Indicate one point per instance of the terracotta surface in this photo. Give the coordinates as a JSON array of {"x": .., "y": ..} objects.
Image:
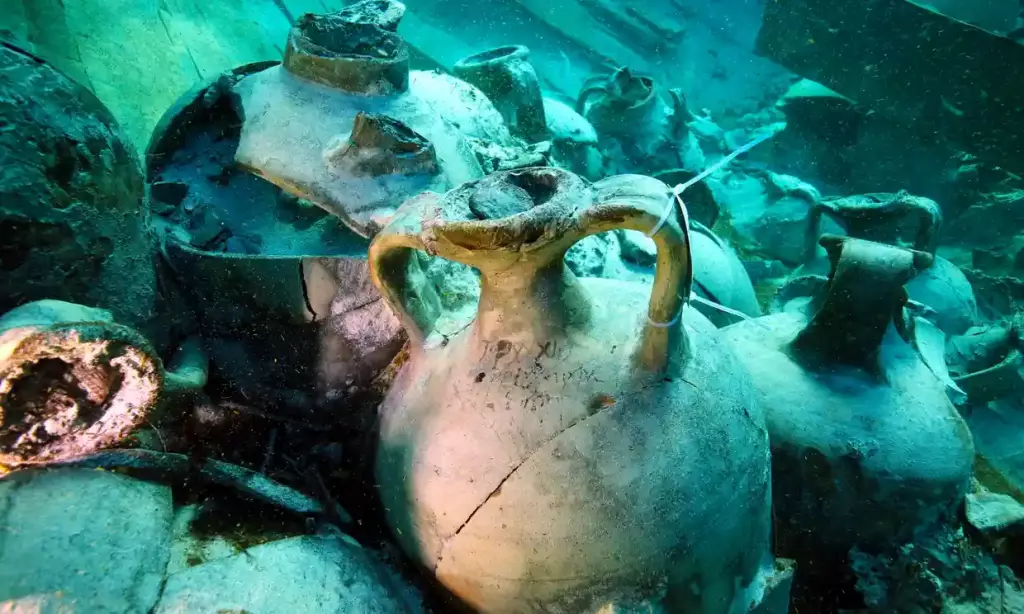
[{"x": 561, "y": 451}]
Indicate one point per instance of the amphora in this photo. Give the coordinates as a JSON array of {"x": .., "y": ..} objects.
[
  {"x": 887, "y": 217},
  {"x": 580, "y": 443},
  {"x": 866, "y": 448}
]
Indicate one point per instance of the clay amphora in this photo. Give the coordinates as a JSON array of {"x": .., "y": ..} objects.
[
  {"x": 268, "y": 278},
  {"x": 510, "y": 82},
  {"x": 884, "y": 217},
  {"x": 578, "y": 444},
  {"x": 640, "y": 132},
  {"x": 866, "y": 447},
  {"x": 71, "y": 220},
  {"x": 344, "y": 123}
]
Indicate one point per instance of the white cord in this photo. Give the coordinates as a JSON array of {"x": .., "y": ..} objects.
[{"x": 679, "y": 189}]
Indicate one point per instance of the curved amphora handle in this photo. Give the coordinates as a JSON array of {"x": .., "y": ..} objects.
[
  {"x": 860, "y": 214},
  {"x": 864, "y": 293},
  {"x": 564, "y": 210}
]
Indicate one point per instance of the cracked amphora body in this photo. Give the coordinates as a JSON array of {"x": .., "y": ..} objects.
[{"x": 577, "y": 445}]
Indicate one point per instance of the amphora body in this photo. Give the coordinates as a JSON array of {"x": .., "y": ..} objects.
[
  {"x": 579, "y": 444},
  {"x": 866, "y": 448}
]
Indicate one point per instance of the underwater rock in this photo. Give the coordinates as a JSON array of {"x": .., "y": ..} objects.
[
  {"x": 506, "y": 77},
  {"x": 867, "y": 450},
  {"x": 96, "y": 540},
  {"x": 777, "y": 589},
  {"x": 305, "y": 575},
  {"x": 73, "y": 381},
  {"x": 81, "y": 540},
  {"x": 940, "y": 573},
  {"x": 71, "y": 198},
  {"x": 990, "y": 512},
  {"x": 489, "y": 500},
  {"x": 996, "y": 428}
]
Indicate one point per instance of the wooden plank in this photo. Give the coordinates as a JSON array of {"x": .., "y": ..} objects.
[
  {"x": 132, "y": 64},
  {"x": 13, "y": 21},
  {"x": 40, "y": 27},
  {"x": 146, "y": 53},
  {"x": 574, "y": 21},
  {"x": 923, "y": 70}
]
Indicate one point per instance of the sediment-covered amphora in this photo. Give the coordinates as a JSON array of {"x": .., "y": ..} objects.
[{"x": 579, "y": 443}]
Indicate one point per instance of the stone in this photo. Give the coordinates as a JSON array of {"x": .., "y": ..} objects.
[
  {"x": 82, "y": 540},
  {"x": 777, "y": 589},
  {"x": 943, "y": 572},
  {"x": 991, "y": 512},
  {"x": 301, "y": 575},
  {"x": 996, "y": 429}
]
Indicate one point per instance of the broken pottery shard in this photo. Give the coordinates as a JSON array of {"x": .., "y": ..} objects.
[
  {"x": 72, "y": 381},
  {"x": 380, "y": 145},
  {"x": 169, "y": 467},
  {"x": 916, "y": 66},
  {"x": 991, "y": 512}
]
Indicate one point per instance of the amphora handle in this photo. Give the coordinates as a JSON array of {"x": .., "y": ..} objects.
[
  {"x": 534, "y": 238},
  {"x": 865, "y": 291},
  {"x": 863, "y": 214}
]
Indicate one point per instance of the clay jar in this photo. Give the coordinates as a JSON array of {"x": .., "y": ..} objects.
[
  {"x": 510, "y": 82},
  {"x": 866, "y": 447},
  {"x": 71, "y": 219},
  {"x": 885, "y": 217},
  {"x": 577, "y": 444},
  {"x": 74, "y": 381},
  {"x": 344, "y": 123}
]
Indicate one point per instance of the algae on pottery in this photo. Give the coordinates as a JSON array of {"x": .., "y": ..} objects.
[
  {"x": 580, "y": 443},
  {"x": 867, "y": 450}
]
